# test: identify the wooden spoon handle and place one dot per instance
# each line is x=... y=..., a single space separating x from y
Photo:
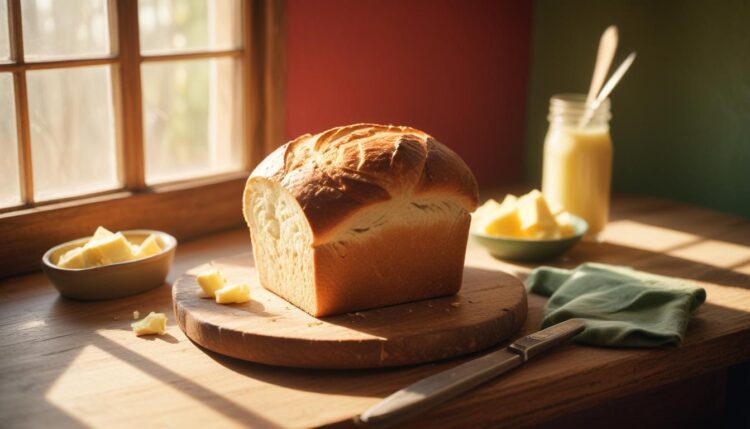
x=608 y=87
x=614 y=80
x=607 y=48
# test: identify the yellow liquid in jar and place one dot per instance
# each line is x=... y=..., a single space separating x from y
x=577 y=173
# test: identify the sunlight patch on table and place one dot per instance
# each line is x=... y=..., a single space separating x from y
x=87 y=391
x=714 y=252
x=734 y=297
x=646 y=237
x=249 y=394
x=31 y=324
x=743 y=269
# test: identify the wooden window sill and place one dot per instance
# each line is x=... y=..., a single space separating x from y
x=185 y=210
x=57 y=351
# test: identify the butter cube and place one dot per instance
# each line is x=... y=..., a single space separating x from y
x=499 y=219
x=555 y=208
x=485 y=209
x=565 y=225
x=154 y=323
x=101 y=233
x=107 y=250
x=72 y=259
x=149 y=247
x=536 y=218
x=210 y=281
x=526 y=217
x=233 y=294
x=481 y=214
x=509 y=200
x=503 y=222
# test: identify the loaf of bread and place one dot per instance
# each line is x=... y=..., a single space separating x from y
x=359 y=217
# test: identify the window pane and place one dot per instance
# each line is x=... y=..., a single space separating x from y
x=188 y=25
x=4 y=35
x=10 y=190
x=191 y=118
x=53 y=29
x=73 y=145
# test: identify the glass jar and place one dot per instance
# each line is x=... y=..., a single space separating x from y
x=578 y=161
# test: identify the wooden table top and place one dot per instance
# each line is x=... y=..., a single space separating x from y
x=77 y=364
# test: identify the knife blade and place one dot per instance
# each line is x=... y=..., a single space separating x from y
x=438 y=388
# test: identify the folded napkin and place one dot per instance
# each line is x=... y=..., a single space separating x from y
x=621 y=306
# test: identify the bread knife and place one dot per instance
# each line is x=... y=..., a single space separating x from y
x=438 y=388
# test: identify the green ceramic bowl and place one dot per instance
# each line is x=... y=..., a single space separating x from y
x=113 y=280
x=523 y=250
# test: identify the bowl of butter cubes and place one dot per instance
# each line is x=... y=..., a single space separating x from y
x=110 y=265
x=525 y=228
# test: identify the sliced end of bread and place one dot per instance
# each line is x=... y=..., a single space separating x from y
x=282 y=242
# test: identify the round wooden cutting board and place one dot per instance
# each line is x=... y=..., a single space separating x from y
x=490 y=307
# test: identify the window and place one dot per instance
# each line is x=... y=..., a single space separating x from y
x=132 y=107
x=60 y=80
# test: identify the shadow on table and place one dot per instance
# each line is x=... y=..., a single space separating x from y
x=350 y=382
x=82 y=318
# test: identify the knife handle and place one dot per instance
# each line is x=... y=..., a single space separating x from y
x=438 y=388
x=435 y=389
x=531 y=345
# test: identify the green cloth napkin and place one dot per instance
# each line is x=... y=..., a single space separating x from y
x=621 y=306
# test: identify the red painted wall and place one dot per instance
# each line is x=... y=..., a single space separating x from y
x=455 y=69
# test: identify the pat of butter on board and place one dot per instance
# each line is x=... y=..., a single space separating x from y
x=210 y=281
x=233 y=294
x=214 y=285
x=154 y=323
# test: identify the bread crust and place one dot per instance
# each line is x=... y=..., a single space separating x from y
x=339 y=172
x=371 y=273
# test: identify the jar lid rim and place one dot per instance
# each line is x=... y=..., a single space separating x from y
x=574 y=100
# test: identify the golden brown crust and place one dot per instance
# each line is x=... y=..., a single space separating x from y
x=371 y=274
x=341 y=171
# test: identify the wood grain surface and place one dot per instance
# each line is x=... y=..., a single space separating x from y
x=490 y=307
x=69 y=364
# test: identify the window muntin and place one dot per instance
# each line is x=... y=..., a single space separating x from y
x=69 y=88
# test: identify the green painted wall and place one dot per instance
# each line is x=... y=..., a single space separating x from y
x=681 y=117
